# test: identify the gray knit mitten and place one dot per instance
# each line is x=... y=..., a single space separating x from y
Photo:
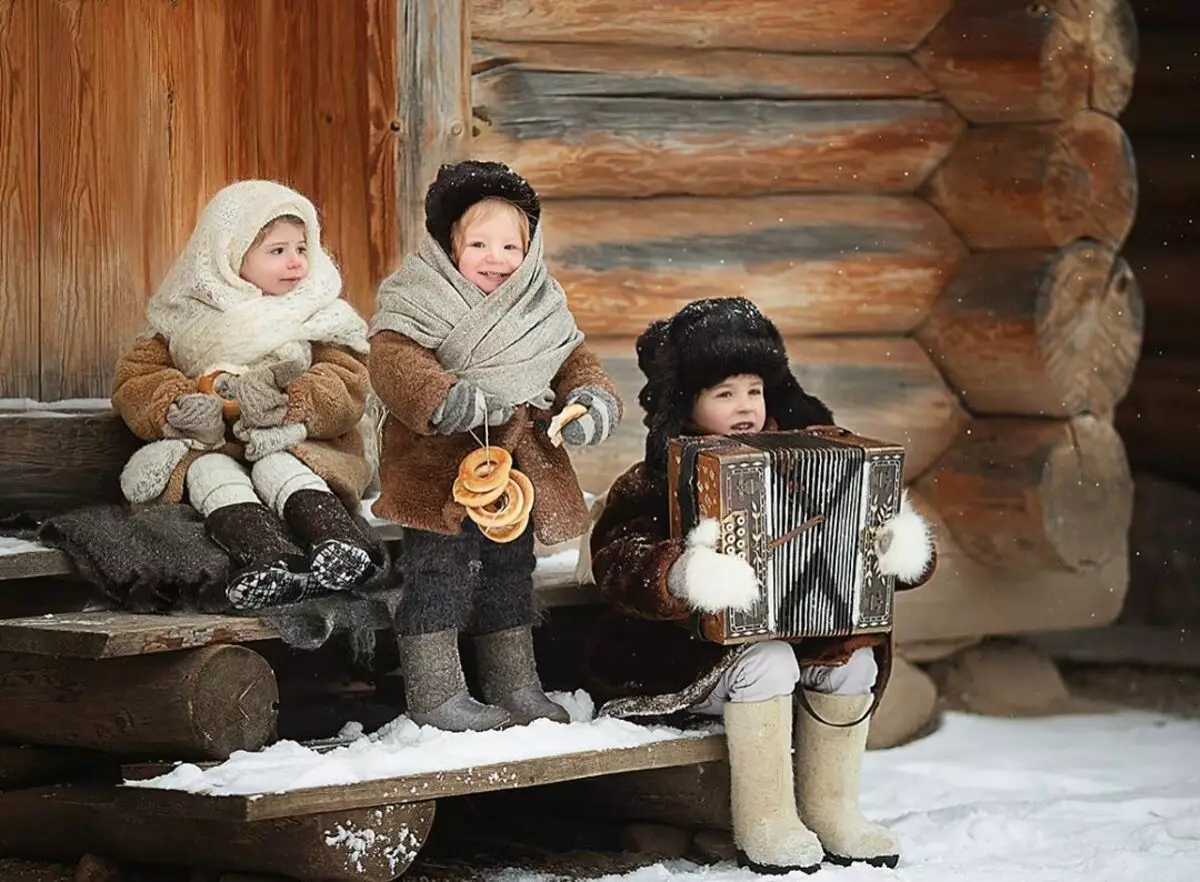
x=196 y=416
x=499 y=411
x=463 y=408
x=598 y=423
x=272 y=439
x=260 y=399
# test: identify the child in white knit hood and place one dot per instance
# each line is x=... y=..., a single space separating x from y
x=249 y=383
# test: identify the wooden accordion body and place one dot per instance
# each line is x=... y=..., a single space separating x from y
x=763 y=487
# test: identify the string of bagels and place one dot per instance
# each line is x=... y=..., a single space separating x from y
x=498 y=497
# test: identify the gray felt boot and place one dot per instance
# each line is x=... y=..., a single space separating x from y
x=508 y=676
x=435 y=689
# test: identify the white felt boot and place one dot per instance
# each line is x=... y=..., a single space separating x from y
x=769 y=835
x=828 y=768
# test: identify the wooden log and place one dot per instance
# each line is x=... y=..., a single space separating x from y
x=581 y=121
x=1038 y=332
x=377 y=843
x=815 y=264
x=19 y=216
x=1166 y=276
x=767 y=25
x=999 y=61
x=25 y=765
x=434 y=103
x=880 y=387
x=1039 y=185
x=558 y=70
x=1024 y=495
x=203 y=703
x=56 y=463
x=1160 y=418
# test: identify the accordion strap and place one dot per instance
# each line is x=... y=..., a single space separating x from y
x=803 y=698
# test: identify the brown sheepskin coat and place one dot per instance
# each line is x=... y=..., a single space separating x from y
x=329 y=399
x=642 y=647
x=417 y=466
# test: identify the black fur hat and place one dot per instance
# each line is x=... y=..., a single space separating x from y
x=461 y=185
x=701 y=345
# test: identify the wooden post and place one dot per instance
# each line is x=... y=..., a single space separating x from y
x=196 y=704
x=375 y=844
x=1043 y=333
x=1001 y=61
x=1029 y=495
x=435 y=102
x=1039 y=186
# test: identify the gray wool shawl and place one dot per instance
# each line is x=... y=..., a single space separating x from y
x=510 y=343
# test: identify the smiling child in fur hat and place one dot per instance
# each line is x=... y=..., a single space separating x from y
x=254 y=304
x=473 y=344
x=719 y=367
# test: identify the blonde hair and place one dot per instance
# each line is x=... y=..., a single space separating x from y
x=292 y=219
x=481 y=209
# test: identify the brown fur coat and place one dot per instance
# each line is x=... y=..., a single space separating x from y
x=642 y=647
x=329 y=399
x=417 y=466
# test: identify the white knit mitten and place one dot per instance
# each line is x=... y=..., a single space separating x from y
x=904 y=544
x=709 y=581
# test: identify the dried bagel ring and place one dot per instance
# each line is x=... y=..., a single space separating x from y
x=485 y=469
x=207 y=385
x=526 y=486
x=567 y=415
x=509 y=533
x=505 y=511
x=469 y=499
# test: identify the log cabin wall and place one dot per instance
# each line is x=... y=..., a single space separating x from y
x=118 y=121
x=929 y=203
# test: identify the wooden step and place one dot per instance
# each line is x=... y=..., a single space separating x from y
x=107 y=634
x=420 y=787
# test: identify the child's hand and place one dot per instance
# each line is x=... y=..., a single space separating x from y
x=466 y=406
x=263 y=442
x=197 y=416
x=904 y=544
x=709 y=581
x=598 y=423
x=261 y=401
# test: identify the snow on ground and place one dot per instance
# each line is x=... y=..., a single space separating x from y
x=1110 y=798
x=403 y=748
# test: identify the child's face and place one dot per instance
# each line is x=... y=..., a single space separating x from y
x=279 y=261
x=492 y=248
x=736 y=404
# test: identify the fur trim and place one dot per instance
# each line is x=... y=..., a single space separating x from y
x=702 y=344
x=462 y=184
x=709 y=581
x=905 y=544
x=148 y=471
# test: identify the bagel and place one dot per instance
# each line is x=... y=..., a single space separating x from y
x=504 y=512
x=568 y=414
x=507 y=534
x=485 y=469
x=207 y=386
x=469 y=499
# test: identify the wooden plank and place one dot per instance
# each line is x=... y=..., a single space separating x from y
x=106 y=634
x=55 y=463
x=617 y=121
x=103 y=170
x=434 y=94
x=35 y=564
x=423 y=787
x=769 y=25
x=575 y=71
x=815 y=264
x=885 y=388
x=20 y=231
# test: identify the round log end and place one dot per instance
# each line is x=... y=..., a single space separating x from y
x=1032 y=62
x=373 y=844
x=234 y=700
x=1091 y=182
x=1089 y=329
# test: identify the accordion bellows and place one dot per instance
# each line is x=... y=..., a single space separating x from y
x=802 y=508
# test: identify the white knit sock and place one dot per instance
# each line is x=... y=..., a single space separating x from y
x=278 y=475
x=215 y=481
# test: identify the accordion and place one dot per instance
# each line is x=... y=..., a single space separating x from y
x=803 y=508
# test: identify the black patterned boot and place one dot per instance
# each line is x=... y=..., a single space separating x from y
x=339 y=556
x=269 y=569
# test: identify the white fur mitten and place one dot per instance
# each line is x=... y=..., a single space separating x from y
x=904 y=544
x=707 y=580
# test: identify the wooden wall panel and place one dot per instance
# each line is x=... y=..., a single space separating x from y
x=103 y=170
x=19 y=224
